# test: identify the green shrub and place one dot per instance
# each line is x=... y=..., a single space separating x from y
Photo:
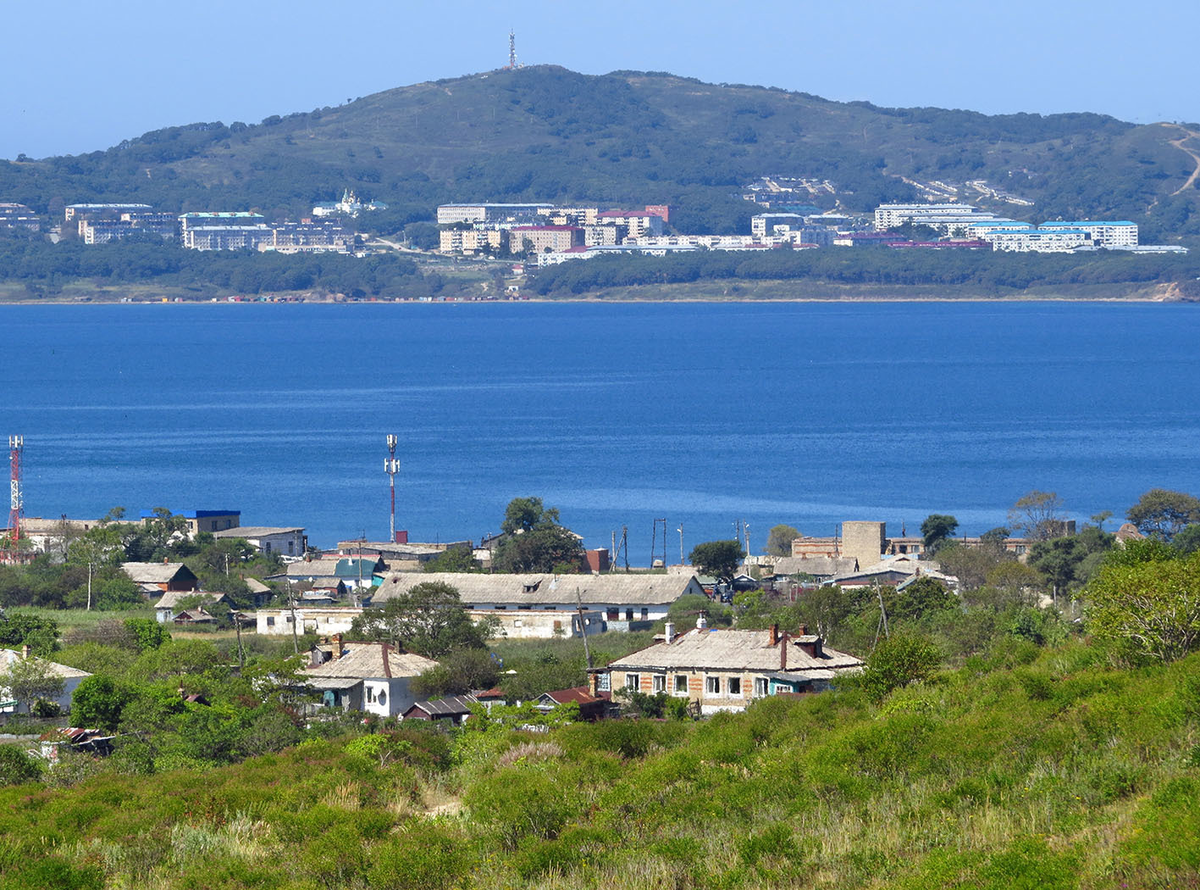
x=17 y=767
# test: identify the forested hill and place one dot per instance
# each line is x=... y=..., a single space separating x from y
x=631 y=138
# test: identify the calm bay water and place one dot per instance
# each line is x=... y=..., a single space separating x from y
x=617 y=414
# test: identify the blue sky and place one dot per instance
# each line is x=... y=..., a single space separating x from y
x=83 y=76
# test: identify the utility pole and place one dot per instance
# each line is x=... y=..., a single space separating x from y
x=583 y=628
x=16 y=446
x=680 y=530
x=292 y=603
x=391 y=466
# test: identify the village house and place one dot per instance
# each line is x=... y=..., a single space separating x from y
x=358 y=573
x=369 y=677
x=401 y=555
x=161 y=577
x=452 y=709
x=168 y=608
x=289 y=541
x=71 y=678
x=591 y=707
x=725 y=670
x=547 y=605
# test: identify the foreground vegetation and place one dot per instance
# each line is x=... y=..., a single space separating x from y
x=1024 y=768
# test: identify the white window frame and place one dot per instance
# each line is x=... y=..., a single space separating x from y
x=730 y=682
x=686 y=684
x=634 y=682
x=712 y=684
x=762 y=687
x=658 y=683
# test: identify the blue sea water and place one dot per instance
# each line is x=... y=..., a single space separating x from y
x=700 y=414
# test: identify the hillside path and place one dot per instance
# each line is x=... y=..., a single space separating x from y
x=1194 y=155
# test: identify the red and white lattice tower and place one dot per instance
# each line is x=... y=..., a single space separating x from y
x=16 y=444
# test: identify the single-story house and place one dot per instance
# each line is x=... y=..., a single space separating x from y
x=400 y=556
x=167 y=608
x=546 y=605
x=370 y=677
x=894 y=570
x=70 y=676
x=357 y=573
x=453 y=709
x=156 y=577
x=193 y=616
x=324 y=620
x=720 y=669
x=290 y=541
x=260 y=594
x=591 y=707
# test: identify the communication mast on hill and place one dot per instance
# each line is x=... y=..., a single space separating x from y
x=512 y=49
x=391 y=466
x=16 y=445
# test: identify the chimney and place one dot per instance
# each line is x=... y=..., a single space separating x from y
x=669 y=630
x=803 y=630
x=25 y=652
x=783 y=644
x=774 y=640
x=702 y=622
x=165 y=560
x=336 y=652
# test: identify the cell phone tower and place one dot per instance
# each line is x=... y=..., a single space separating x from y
x=16 y=445
x=391 y=466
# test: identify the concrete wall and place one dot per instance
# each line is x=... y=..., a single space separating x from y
x=864 y=541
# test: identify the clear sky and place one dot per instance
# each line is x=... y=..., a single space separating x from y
x=83 y=76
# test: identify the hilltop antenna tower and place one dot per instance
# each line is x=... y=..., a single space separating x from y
x=391 y=466
x=512 y=49
x=16 y=445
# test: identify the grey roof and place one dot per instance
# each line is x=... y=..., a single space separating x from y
x=257 y=586
x=313 y=568
x=365 y=661
x=815 y=565
x=449 y=706
x=153 y=572
x=171 y=598
x=9 y=657
x=734 y=650
x=614 y=589
x=255 y=531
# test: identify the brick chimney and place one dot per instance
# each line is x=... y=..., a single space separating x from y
x=774 y=639
x=25 y=651
x=783 y=647
x=336 y=650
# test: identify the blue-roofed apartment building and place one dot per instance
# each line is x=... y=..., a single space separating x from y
x=203 y=520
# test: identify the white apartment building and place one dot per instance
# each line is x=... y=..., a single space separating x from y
x=454 y=214
x=1104 y=233
x=889 y=216
x=1038 y=241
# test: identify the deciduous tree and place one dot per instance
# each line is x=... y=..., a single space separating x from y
x=1038 y=515
x=717 y=558
x=779 y=540
x=936 y=528
x=1151 y=609
x=427 y=619
x=1164 y=513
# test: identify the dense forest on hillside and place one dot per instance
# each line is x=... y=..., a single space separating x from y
x=626 y=138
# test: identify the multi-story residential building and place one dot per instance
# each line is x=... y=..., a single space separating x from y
x=890 y=216
x=764 y=225
x=470 y=241
x=18 y=216
x=101 y=229
x=1038 y=241
x=637 y=224
x=307 y=236
x=540 y=239
x=1104 y=233
x=96 y=211
x=224 y=230
x=455 y=214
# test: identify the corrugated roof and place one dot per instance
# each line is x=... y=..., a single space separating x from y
x=171 y=598
x=450 y=706
x=732 y=650
x=153 y=572
x=814 y=565
x=365 y=661
x=255 y=531
x=533 y=589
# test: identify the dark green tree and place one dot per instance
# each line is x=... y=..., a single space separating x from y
x=1164 y=513
x=936 y=528
x=454 y=559
x=17 y=767
x=720 y=559
x=98 y=702
x=897 y=661
x=427 y=619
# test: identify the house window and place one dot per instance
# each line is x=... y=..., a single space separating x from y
x=645 y=614
x=633 y=681
x=370 y=694
x=516 y=622
x=658 y=683
x=266 y=547
x=270 y=621
x=613 y=614
x=629 y=614
x=712 y=685
x=681 y=684
x=760 y=687
x=735 y=685
x=603 y=683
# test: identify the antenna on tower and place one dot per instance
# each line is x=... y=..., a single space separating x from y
x=512 y=48
x=391 y=466
x=16 y=445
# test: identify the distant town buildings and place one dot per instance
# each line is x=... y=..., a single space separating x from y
x=18 y=216
x=349 y=206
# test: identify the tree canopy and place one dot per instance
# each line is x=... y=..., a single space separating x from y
x=717 y=558
x=936 y=528
x=1148 y=603
x=1164 y=513
x=427 y=619
x=779 y=540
